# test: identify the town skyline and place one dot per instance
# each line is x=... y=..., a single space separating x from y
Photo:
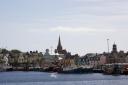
x=52 y=50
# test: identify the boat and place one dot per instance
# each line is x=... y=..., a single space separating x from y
x=116 y=68
x=76 y=70
x=125 y=68
x=53 y=75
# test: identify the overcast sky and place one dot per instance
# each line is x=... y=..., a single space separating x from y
x=84 y=25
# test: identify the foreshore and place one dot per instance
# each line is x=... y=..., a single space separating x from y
x=71 y=71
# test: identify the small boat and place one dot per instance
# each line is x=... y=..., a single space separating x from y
x=77 y=70
x=114 y=68
x=53 y=75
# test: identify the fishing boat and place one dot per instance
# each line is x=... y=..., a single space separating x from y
x=76 y=70
x=115 y=68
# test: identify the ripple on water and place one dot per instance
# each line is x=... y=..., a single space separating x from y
x=40 y=78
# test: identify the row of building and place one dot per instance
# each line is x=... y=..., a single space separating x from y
x=62 y=58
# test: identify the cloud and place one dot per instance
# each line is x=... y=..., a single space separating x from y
x=80 y=29
x=36 y=30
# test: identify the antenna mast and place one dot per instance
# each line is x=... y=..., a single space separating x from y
x=108 y=44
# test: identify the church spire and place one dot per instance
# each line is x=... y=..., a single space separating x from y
x=59 y=47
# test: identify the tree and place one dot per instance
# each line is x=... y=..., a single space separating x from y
x=15 y=51
x=1 y=61
x=4 y=51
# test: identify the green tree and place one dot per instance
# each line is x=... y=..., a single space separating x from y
x=4 y=51
x=15 y=51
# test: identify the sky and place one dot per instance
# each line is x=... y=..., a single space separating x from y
x=83 y=25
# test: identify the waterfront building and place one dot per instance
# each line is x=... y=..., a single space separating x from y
x=1 y=56
x=69 y=61
x=1 y=62
x=103 y=59
x=21 y=60
x=81 y=61
x=5 y=59
x=48 y=57
x=126 y=58
x=4 y=62
x=50 y=60
x=92 y=60
x=35 y=58
x=13 y=57
x=115 y=56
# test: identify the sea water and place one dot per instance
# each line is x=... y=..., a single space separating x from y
x=41 y=78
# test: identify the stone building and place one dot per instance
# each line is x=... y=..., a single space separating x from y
x=92 y=60
x=126 y=58
x=50 y=60
x=115 y=56
x=35 y=58
x=103 y=59
x=69 y=61
x=25 y=59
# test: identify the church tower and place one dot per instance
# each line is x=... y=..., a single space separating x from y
x=114 y=48
x=59 y=47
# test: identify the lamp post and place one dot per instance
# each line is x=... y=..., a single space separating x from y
x=108 y=44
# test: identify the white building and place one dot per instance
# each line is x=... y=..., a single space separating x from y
x=49 y=59
x=52 y=57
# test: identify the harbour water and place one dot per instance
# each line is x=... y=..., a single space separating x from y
x=41 y=78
